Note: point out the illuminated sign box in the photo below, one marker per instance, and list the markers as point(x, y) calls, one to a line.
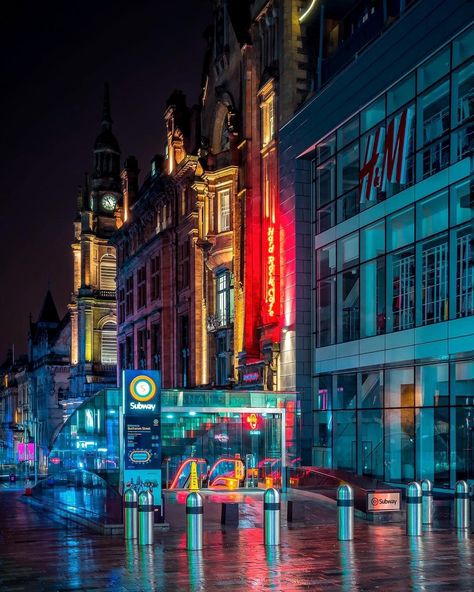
point(383, 501)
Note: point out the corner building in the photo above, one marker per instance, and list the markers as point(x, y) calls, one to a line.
point(377, 181)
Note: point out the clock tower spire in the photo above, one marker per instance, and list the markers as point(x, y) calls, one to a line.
point(93, 306)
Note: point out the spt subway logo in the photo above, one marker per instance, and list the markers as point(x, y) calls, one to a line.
point(142, 389)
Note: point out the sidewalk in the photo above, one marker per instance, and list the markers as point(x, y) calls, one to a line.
point(36, 554)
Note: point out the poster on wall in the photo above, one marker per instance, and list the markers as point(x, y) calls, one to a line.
point(142, 430)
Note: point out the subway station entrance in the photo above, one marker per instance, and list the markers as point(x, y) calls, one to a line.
point(237, 438)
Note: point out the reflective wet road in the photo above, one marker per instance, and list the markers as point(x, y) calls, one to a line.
point(39, 554)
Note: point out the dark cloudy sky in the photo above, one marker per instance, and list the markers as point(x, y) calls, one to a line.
point(55, 57)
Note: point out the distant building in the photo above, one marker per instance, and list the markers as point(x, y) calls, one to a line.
point(93, 305)
point(34, 390)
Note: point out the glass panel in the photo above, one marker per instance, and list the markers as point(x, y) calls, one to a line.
point(432, 444)
point(326, 312)
point(322, 429)
point(326, 148)
point(373, 114)
point(434, 280)
point(433, 159)
point(400, 229)
point(400, 290)
point(326, 217)
point(372, 239)
point(462, 143)
point(373, 298)
point(348, 251)
point(401, 93)
point(344, 439)
point(346, 391)
point(464, 456)
point(463, 47)
point(464, 272)
point(325, 182)
point(432, 214)
point(432, 385)
point(433, 69)
point(399, 445)
point(460, 202)
point(348, 132)
point(324, 394)
point(399, 387)
point(371, 443)
point(326, 258)
point(348, 169)
point(462, 387)
point(348, 205)
point(462, 95)
point(371, 390)
point(433, 114)
point(400, 148)
point(348, 305)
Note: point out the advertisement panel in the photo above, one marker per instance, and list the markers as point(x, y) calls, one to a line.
point(142, 429)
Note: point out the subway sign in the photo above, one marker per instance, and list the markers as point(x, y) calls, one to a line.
point(383, 501)
point(141, 392)
point(386, 156)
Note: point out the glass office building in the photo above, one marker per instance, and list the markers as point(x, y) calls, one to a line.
point(391, 191)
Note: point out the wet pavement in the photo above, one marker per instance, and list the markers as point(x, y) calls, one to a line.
point(38, 554)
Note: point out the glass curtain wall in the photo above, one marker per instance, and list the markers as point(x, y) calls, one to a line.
point(399, 424)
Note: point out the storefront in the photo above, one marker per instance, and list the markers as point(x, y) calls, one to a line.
point(391, 188)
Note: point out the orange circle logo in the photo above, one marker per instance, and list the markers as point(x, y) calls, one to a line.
point(142, 388)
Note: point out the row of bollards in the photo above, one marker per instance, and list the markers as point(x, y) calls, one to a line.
point(138, 516)
point(420, 506)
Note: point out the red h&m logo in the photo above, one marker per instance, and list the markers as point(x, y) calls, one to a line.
point(386, 156)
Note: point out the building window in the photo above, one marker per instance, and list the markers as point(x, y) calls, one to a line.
point(107, 272)
point(183, 265)
point(121, 305)
point(156, 277)
point(372, 306)
point(223, 298)
point(326, 319)
point(401, 290)
point(222, 360)
point(129, 353)
point(268, 120)
point(223, 197)
point(184, 350)
point(434, 280)
point(108, 348)
point(129, 296)
point(142, 348)
point(464, 272)
point(348, 304)
point(141, 287)
point(156, 346)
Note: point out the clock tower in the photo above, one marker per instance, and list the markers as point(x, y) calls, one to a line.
point(93, 306)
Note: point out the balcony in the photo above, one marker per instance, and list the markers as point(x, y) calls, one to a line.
point(105, 294)
point(216, 322)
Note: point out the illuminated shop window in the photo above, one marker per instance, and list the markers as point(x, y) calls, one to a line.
point(268, 120)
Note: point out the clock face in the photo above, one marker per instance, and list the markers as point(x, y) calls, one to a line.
point(109, 202)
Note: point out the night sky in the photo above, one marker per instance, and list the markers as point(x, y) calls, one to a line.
point(56, 57)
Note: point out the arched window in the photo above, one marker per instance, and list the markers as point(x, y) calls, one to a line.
point(108, 271)
point(108, 346)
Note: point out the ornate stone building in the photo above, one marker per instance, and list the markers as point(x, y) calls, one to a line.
point(93, 305)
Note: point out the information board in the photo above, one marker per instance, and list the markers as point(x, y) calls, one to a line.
point(142, 430)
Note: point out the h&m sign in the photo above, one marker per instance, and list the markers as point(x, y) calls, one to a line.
point(386, 156)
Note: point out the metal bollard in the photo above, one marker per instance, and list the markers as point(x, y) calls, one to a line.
point(130, 511)
point(345, 513)
point(427, 501)
point(461, 504)
point(145, 518)
point(414, 524)
point(194, 521)
point(271, 517)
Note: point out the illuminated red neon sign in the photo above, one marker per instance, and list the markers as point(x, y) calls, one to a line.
point(386, 155)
